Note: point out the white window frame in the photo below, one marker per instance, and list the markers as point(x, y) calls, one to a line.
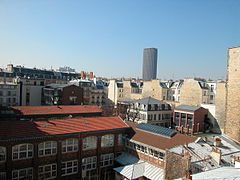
point(107, 160)
point(44, 172)
point(107, 140)
point(43, 147)
point(17, 150)
point(69, 165)
point(89, 142)
point(26, 176)
point(120, 139)
point(2, 154)
point(3, 176)
point(66, 144)
point(89, 163)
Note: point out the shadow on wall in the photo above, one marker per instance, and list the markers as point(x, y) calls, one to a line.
point(212, 125)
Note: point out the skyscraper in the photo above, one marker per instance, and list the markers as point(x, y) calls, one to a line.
point(149, 64)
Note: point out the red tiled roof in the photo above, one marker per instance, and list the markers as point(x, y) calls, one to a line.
point(159, 141)
point(61, 109)
point(19, 129)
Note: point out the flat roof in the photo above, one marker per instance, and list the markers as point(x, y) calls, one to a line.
point(32, 129)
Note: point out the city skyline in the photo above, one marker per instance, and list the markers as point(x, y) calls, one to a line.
point(108, 37)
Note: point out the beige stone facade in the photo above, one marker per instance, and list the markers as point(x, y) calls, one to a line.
point(232, 122)
point(220, 102)
point(153, 89)
point(191, 93)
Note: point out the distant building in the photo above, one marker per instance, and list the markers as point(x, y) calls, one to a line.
point(232, 122)
point(152, 111)
point(190, 119)
point(9, 94)
point(62, 94)
point(149, 64)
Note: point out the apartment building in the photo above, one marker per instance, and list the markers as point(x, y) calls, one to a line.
point(190, 119)
point(150, 110)
point(76, 148)
point(232, 121)
point(62, 94)
point(9, 94)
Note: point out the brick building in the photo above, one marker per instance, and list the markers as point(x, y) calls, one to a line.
point(62, 94)
point(60, 148)
point(190, 119)
point(146, 153)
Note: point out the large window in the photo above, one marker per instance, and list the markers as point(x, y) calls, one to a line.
point(70, 145)
point(3, 175)
point(107, 140)
point(22, 151)
point(106, 160)
point(90, 142)
point(47, 172)
point(89, 163)
point(22, 174)
point(47, 148)
point(69, 167)
point(2, 154)
point(120, 139)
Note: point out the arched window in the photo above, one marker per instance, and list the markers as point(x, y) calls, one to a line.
point(22, 151)
point(47, 148)
point(107, 140)
point(70, 145)
point(2, 154)
point(90, 142)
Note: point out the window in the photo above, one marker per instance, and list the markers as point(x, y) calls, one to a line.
point(47, 172)
point(90, 142)
point(69, 167)
point(70, 145)
point(120, 139)
point(47, 148)
point(22, 174)
point(2, 154)
point(89, 163)
point(3, 175)
point(106, 160)
point(22, 151)
point(107, 140)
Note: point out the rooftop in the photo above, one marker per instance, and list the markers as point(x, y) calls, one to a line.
point(149, 100)
point(158, 130)
point(187, 107)
point(158, 141)
point(32, 129)
point(48, 110)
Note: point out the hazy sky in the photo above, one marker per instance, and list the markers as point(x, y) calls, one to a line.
point(108, 36)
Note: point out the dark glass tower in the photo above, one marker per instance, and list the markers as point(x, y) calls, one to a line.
point(149, 64)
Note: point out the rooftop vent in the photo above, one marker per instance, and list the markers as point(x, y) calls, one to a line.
point(159, 130)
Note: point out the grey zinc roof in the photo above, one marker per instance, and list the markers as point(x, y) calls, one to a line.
point(142, 169)
point(187, 107)
point(57, 85)
point(149, 100)
point(126, 100)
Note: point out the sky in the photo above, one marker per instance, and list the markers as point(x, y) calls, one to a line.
point(108, 36)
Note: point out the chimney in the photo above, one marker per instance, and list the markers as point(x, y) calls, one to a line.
point(217, 141)
point(237, 162)
point(216, 154)
point(187, 176)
